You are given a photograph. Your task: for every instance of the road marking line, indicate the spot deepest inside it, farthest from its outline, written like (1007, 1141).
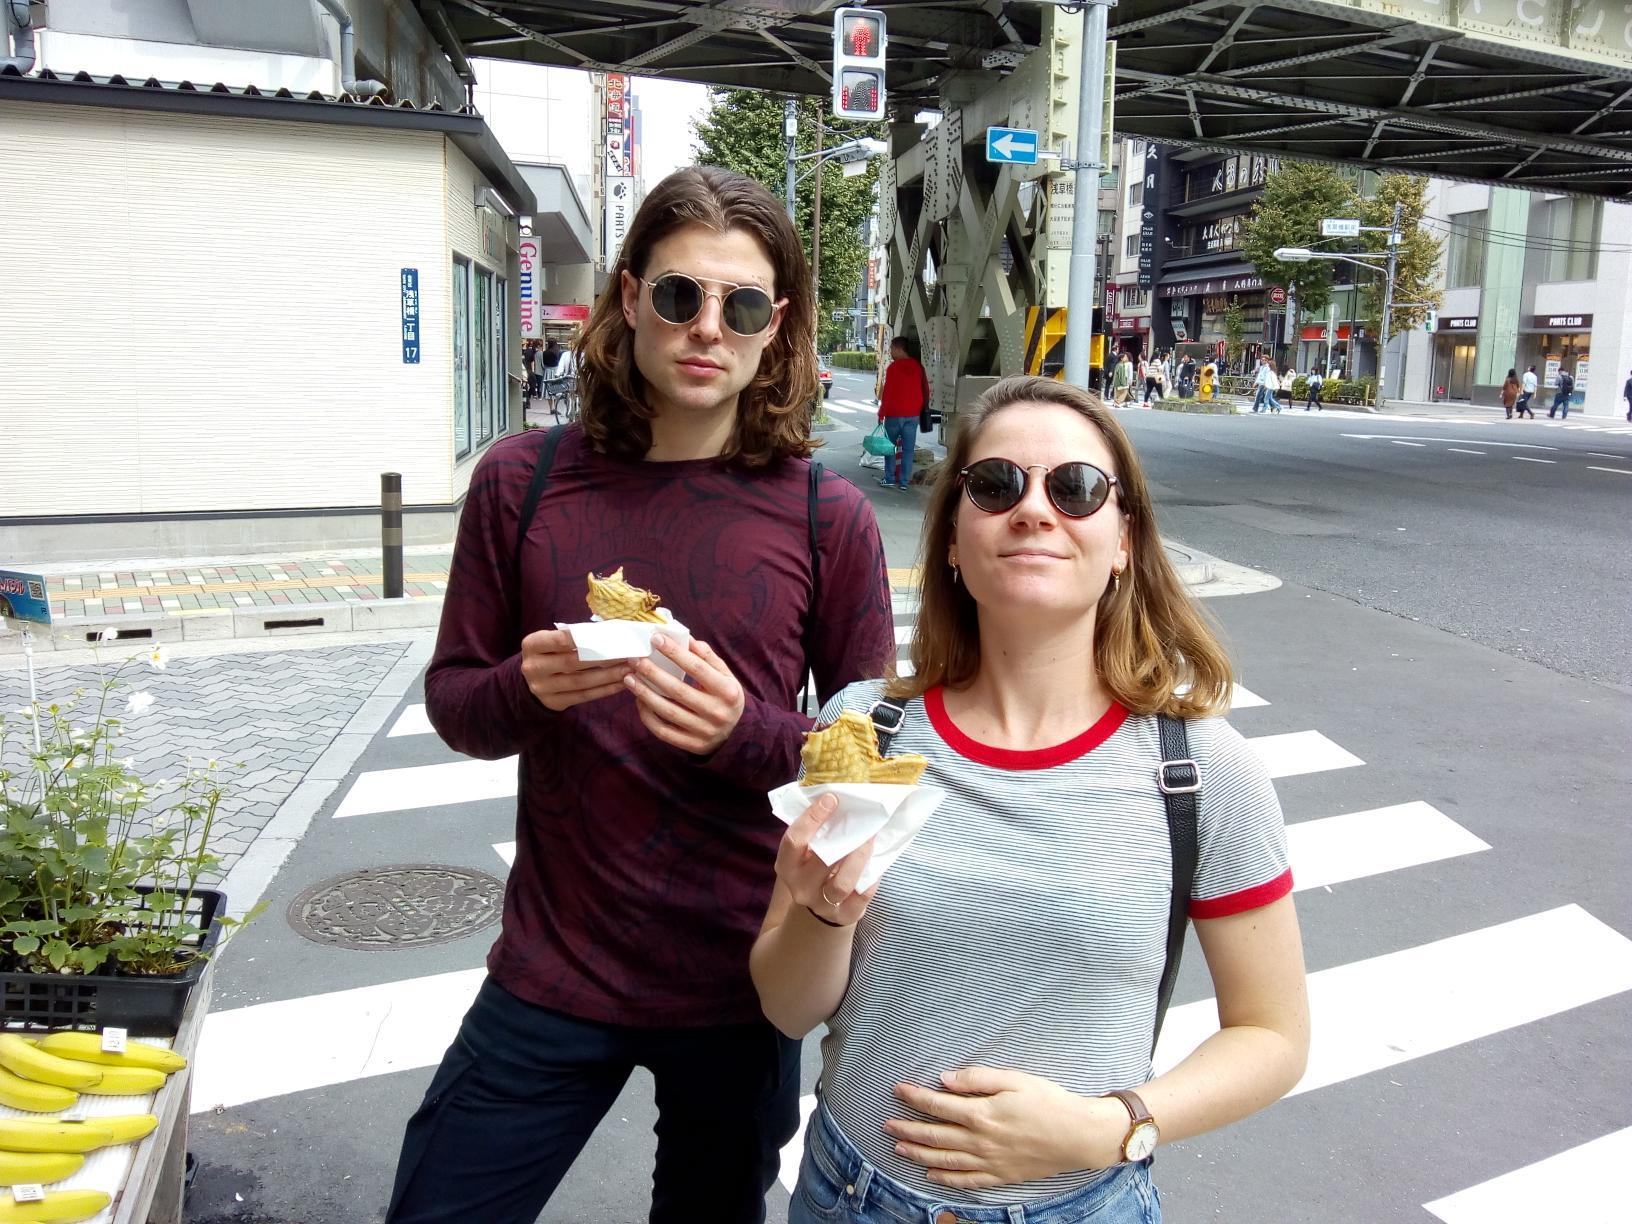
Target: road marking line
(1531, 459)
(1390, 1009)
(1244, 698)
(1399, 442)
(506, 851)
(412, 721)
(1594, 468)
(1469, 441)
(1459, 450)
(1601, 455)
(1585, 1184)
(1336, 849)
(1300, 752)
(422, 786)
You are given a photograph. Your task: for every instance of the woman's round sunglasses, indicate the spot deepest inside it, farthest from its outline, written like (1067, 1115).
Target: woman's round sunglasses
(997, 485)
(678, 298)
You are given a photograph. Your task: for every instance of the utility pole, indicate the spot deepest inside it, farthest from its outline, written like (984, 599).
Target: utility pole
(816, 230)
(1085, 211)
(1388, 305)
(790, 129)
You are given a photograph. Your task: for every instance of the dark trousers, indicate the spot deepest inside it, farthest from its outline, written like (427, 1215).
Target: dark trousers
(522, 1088)
(1561, 399)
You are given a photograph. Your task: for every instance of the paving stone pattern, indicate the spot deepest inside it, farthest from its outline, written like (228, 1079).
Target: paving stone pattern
(275, 712)
(204, 588)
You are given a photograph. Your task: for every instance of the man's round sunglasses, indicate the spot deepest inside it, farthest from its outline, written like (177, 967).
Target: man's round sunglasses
(678, 298)
(998, 485)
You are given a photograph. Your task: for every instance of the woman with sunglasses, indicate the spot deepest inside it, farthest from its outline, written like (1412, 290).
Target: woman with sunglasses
(991, 1003)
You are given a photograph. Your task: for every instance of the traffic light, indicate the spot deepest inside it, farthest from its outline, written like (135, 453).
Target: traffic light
(858, 63)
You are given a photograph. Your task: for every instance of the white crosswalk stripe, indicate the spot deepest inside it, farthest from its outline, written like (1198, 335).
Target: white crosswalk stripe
(1413, 1002)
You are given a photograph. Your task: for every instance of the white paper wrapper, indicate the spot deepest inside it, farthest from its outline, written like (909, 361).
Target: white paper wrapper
(599, 641)
(891, 814)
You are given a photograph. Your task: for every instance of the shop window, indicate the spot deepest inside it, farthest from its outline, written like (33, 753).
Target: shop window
(486, 371)
(1133, 298)
(1130, 248)
(461, 358)
(1465, 251)
(1136, 192)
(1564, 233)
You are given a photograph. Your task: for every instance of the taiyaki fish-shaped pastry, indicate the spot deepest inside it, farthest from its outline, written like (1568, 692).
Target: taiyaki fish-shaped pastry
(611, 598)
(847, 751)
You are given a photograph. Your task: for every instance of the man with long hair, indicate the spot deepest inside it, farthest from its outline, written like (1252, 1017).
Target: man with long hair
(644, 841)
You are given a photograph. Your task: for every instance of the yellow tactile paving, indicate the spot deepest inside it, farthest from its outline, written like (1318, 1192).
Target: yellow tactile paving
(264, 584)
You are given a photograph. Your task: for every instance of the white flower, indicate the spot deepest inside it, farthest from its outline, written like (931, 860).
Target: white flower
(213, 764)
(157, 658)
(129, 763)
(161, 822)
(138, 703)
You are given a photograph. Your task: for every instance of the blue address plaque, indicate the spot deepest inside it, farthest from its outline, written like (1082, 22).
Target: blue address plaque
(410, 316)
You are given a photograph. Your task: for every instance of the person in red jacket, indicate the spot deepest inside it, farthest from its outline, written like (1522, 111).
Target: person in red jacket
(906, 391)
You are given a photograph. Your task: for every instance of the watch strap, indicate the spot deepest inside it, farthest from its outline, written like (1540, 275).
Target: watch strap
(1138, 1111)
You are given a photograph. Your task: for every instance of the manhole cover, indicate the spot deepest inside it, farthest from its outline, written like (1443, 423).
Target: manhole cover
(407, 906)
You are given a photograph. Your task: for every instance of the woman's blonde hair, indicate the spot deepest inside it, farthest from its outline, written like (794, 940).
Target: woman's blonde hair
(1153, 649)
(773, 412)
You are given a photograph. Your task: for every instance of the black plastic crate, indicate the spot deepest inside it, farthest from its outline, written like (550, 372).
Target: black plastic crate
(146, 1006)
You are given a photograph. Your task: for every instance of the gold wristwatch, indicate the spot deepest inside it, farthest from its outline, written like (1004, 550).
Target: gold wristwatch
(1142, 1136)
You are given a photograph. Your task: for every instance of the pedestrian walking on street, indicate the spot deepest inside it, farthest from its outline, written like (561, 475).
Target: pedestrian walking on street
(1187, 378)
(1264, 386)
(992, 1003)
(1510, 392)
(1626, 394)
(529, 358)
(1121, 379)
(905, 394)
(644, 841)
(1561, 397)
(1527, 393)
(1283, 397)
(1150, 370)
(1311, 390)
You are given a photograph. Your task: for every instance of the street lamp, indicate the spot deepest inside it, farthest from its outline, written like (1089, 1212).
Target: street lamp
(1299, 255)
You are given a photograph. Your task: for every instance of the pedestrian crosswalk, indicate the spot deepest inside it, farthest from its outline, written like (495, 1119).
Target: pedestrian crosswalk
(851, 407)
(1417, 1001)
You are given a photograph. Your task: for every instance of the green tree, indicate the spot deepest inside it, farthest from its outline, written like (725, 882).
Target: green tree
(742, 131)
(1296, 197)
(1416, 279)
(1235, 332)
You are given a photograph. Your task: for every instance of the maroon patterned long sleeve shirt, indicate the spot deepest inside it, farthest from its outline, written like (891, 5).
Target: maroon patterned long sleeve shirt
(642, 871)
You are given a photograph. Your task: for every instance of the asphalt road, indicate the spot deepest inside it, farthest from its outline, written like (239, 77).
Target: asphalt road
(1513, 534)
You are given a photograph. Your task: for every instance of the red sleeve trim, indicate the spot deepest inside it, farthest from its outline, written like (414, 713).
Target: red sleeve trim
(1247, 899)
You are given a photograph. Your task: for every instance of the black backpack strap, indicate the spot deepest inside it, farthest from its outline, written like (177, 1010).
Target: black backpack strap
(529, 505)
(815, 581)
(1179, 780)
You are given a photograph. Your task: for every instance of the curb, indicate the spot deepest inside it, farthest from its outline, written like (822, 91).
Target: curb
(216, 624)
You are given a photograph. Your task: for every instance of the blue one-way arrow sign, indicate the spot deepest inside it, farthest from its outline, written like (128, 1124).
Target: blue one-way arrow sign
(1016, 146)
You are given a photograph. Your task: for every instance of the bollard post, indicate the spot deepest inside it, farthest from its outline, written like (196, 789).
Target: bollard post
(391, 532)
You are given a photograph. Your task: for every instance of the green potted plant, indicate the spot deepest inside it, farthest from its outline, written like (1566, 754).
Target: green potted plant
(102, 916)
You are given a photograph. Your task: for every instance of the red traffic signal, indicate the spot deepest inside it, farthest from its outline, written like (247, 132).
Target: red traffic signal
(859, 36)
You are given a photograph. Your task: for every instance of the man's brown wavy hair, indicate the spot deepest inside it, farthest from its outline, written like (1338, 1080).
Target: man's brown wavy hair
(773, 411)
(1153, 649)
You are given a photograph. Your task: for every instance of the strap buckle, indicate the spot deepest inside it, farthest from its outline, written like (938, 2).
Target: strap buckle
(887, 719)
(1181, 777)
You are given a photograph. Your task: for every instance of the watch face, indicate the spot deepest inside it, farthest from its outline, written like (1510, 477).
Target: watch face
(1141, 1141)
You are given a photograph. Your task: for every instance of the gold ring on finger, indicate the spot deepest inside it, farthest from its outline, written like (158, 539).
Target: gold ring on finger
(829, 900)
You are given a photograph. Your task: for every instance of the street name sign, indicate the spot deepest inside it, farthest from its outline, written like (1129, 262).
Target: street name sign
(1340, 227)
(1012, 146)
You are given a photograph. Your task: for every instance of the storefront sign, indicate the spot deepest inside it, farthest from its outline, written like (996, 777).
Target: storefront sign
(620, 211)
(563, 312)
(1277, 295)
(1549, 376)
(1223, 234)
(1233, 284)
(528, 252)
(1458, 323)
(620, 161)
(23, 598)
(1147, 217)
(410, 316)
(1562, 322)
(1581, 374)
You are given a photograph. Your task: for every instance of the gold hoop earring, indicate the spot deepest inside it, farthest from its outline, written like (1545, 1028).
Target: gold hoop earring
(1116, 581)
(956, 577)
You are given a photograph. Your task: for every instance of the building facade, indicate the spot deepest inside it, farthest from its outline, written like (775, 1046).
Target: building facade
(243, 295)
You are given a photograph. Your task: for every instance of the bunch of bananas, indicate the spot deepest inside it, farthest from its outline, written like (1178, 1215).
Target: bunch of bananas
(47, 1075)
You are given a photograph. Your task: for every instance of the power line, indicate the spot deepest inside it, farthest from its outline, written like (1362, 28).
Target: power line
(1512, 240)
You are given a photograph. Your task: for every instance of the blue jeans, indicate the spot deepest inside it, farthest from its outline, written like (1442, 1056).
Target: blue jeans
(903, 431)
(1264, 396)
(837, 1186)
(522, 1088)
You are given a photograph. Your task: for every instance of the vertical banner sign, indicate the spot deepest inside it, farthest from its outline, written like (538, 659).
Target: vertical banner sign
(410, 316)
(620, 210)
(1147, 218)
(619, 127)
(528, 250)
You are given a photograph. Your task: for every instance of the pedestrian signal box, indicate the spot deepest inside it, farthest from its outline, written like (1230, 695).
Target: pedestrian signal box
(858, 63)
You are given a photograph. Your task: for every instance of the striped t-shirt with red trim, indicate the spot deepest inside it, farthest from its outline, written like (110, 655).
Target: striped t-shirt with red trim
(1025, 927)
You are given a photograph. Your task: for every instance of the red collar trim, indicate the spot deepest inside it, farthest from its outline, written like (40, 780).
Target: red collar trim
(1020, 758)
